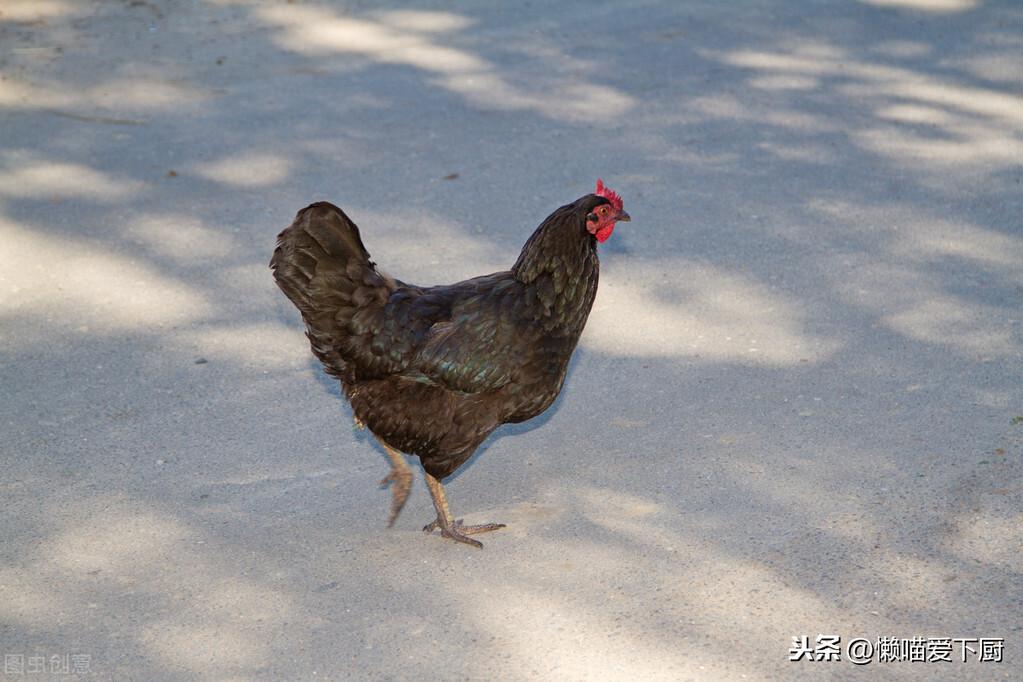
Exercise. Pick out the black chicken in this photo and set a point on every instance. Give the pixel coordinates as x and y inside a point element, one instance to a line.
<point>432,371</point>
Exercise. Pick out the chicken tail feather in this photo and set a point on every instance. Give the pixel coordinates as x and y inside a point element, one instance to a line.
<point>322,266</point>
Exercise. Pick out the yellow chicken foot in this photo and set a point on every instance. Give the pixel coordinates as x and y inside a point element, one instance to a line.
<point>401,477</point>
<point>453,530</point>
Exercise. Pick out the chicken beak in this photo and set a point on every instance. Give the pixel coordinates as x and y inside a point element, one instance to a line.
<point>623,217</point>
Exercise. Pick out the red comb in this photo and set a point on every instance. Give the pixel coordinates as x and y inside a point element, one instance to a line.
<point>609,194</point>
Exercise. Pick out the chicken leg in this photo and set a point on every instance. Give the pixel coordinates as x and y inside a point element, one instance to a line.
<point>401,477</point>
<point>448,528</point>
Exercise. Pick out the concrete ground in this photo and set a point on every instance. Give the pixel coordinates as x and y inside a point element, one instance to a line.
<point>796,410</point>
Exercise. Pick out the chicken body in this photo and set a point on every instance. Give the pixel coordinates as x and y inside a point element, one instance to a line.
<point>432,371</point>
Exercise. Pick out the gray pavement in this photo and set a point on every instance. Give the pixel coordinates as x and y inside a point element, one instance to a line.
<point>796,409</point>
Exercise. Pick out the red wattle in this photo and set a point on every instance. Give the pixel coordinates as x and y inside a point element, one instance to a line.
<point>603,233</point>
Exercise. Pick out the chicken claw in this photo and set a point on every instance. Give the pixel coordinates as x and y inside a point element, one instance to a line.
<point>459,531</point>
<point>401,477</point>
<point>453,530</point>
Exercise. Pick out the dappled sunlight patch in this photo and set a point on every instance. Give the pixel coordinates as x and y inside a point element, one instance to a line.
<point>933,239</point>
<point>797,120</point>
<point>25,176</point>
<point>69,282</point>
<point>911,298</point>
<point>709,313</point>
<point>421,247</point>
<point>946,320</point>
<point>19,94</point>
<point>909,113</point>
<point>182,597</point>
<point>731,107</point>
<point>615,502</point>
<point>141,92</point>
<point>199,647</point>
<point>902,49</point>
<point>268,346</point>
<point>550,635</point>
<point>406,38</point>
<point>582,607</point>
<point>982,101</point>
<point>914,305</point>
<point>990,67</point>
<point>254,281</point>
<point>631,528</point>
<point>935,6</point>
<point>316,30</point>
<point>240,610</point>
<point>114,548</point>
<point>31,11</point>
<point>803,153</point>
<point>990,538</point>
<point>974,145</point>
<point>424,21</point>
<point>785,82</point>
<point>756,593</point>
<point>247,169</point>
<point>774,61</point>
<point>969,124</point>
<point>578,101</point>
<point>917,235</point>
<point>779,481</point>
<point>913,580</point>
<point>28,599</point>
<point>111,97</point>
<point>723,106</point>
<point>180,237</point>
<point>118,544</point>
